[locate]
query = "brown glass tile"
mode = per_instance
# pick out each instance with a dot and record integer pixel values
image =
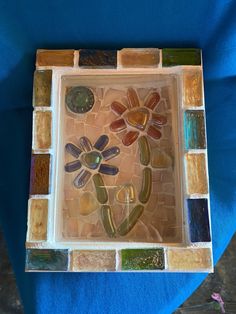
(39, 176)
(89, 58)
(38, 218)
(55, 58)
(134, 58)
(189, 259)
(93, 260)
(196, 174)
(42, 88)
(42, 129)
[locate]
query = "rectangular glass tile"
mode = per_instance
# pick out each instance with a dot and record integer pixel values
(198, 220)
(134, 58)
(142, 259)
(37, 225)
(194, 129)
(192, 88)
(42, 129)
(47, 259)
(97, 58)
(178, 56)
(189, 259)
(39, 176)
(55, 58)
(196, 174)
(42, 88)
(93, 260)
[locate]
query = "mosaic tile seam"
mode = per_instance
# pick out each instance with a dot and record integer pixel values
(154, 259)
(125, 58)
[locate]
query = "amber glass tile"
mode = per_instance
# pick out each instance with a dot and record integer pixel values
(93, 260)
(42, 88)
(196, 174)
(39, 176)
(89, 58)
(192, 85)
(47, 260)
(37, 225)
(181, 56)
(55, 58)
(42, 129)
(134, 58)
(189, 259)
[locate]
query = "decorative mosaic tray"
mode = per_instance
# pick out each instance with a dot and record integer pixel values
(119, 178)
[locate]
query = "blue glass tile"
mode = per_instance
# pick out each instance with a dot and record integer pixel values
(198, 220)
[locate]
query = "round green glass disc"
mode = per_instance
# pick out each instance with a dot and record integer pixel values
(80, 99)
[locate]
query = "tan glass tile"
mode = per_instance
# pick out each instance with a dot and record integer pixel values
(134, 58)
(196, 174)
(91, 260)
(189, 259)
(38, 212)
(42, 129)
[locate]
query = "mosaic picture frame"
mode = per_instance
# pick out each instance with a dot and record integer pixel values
(149, 104)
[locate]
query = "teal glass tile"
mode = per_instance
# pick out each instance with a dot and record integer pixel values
(178, 56)
(142, 259)
(47, 259)
(194, 129)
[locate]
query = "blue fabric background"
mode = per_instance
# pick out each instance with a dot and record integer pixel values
(28, 25)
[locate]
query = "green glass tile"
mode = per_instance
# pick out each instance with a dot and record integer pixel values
(42, 88)
(178, 56)
(45, 259)
(194, 129)
(142, 259)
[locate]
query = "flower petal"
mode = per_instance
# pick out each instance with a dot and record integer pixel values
(159, 119)
(118, 125)
(73, 166)
(108, 169)
(130, 137)
(82, 178)
(85, 144)
(154, 132)
(132, 98)
(110, 152)
(118, 108)
(152, 100)
(101, 142)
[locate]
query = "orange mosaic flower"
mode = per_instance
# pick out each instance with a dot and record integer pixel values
(137, 120)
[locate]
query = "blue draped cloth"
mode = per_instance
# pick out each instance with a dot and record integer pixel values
(28, 25)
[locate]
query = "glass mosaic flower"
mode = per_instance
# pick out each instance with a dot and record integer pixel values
(90, 159)
(137, 120)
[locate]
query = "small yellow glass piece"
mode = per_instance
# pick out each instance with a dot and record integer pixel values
(126, 194)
